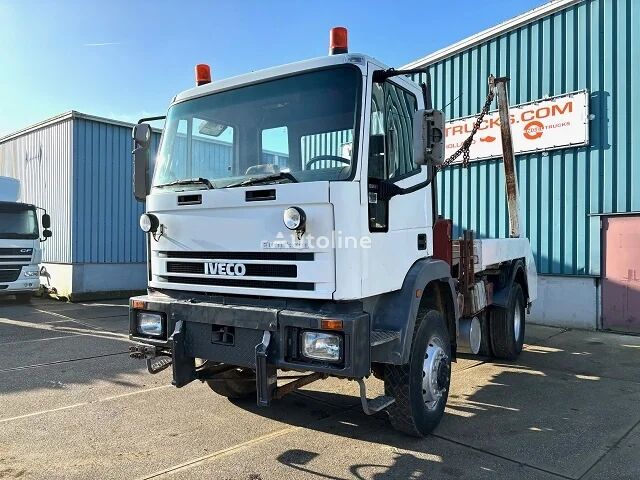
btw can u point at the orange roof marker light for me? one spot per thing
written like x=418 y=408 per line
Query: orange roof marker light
x=338 y=42
x=203 y=74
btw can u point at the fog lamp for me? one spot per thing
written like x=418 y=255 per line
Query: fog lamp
x=149 y=223
x=150 y=324
x=322 y=346
x=294 y=218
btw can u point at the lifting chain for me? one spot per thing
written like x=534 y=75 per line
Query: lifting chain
x=464 y=149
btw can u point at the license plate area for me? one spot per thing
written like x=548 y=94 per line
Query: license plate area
x=222 y=343
x=223 y=334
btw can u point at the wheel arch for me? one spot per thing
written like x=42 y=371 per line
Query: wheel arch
x=427 y=283
x=516 y=273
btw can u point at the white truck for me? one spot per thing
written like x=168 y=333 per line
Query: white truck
x=20 y=252
x=328 y=258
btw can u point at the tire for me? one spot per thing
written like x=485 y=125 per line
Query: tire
x=506 y=332
x=485 y=342
x=23 y=297
x=235 y=384
x=411 y=413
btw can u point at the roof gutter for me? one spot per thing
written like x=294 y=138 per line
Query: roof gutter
x=504 y=27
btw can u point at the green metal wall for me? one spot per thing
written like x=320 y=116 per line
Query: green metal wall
x=592 y=45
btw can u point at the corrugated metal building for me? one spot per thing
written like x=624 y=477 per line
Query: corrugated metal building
x=79 y=168
x=561 y=47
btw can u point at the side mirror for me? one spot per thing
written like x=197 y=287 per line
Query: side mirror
x=142 y=134
x=46 y=233
x=428 y=137
x=46 y=221
x=142 y=139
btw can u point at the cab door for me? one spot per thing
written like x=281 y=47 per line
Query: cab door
x=398 y=227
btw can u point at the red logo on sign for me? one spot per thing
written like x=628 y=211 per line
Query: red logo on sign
x=488 y=138
x=533 y=130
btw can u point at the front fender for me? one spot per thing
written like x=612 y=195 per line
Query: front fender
x=397 y=311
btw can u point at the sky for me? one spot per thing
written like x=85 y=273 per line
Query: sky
x=126 y=59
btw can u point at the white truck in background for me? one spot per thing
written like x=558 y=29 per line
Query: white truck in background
x=20 y=252
x=252 y=266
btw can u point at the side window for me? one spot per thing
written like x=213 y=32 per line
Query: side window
x=399 y=108
x=390 y=145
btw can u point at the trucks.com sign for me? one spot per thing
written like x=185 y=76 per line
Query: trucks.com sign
x=555 y=122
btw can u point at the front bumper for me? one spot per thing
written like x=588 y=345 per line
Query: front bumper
x=21 y=285
x=257 y=335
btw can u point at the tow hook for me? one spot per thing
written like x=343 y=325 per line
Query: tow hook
x=142 y=352
x=156 y=362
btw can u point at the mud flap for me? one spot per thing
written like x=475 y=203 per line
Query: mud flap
x=184 y=367
x=266 y=374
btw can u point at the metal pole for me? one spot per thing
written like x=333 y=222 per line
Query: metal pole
x=510 y=175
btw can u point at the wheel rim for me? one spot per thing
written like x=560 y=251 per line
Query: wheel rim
x=435 y=373
x=517 y=323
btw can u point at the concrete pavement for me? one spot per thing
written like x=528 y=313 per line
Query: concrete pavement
x=73 y=405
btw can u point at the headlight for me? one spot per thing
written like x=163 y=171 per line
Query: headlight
x=31 y=274
x=150 y=324
x=149 y=222
x=322 y=346
x=294 y=218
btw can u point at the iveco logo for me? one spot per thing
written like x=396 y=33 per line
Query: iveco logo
x=231 y=269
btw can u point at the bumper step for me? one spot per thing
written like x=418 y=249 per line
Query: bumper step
x=374 y=405
x=158 y=364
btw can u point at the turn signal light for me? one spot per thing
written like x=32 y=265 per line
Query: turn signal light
x=138 y=304
x=338 y=41
x=331 y=324
x=203 y=74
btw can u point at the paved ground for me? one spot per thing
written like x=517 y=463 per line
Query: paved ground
x=73 y=405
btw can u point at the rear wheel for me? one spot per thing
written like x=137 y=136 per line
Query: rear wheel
x=421 y=387
x=234 y=384
x=507 y=326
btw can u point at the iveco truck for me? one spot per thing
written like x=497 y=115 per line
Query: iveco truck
x=20 y=252
x=291 y=225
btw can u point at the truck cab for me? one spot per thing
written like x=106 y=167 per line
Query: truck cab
x=20 y=252
x=290 y=225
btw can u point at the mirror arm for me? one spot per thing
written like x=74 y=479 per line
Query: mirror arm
x=152 y=119
x=379 y=76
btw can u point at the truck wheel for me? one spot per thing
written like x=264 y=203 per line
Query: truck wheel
x=421 y=387
x=507 y=326
x=235 y=384
x=23 y=297
x=485 y=342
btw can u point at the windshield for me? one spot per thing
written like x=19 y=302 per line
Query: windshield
x=18 y=221
x=298 y=128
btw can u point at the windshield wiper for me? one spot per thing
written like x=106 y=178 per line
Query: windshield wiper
x=188 y=181
x=264 y=178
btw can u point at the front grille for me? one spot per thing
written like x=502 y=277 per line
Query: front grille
x=17 y=251
x=25 y=260
x=235 y=282
x=290 y=256
x=252 y=269
x=9 y=273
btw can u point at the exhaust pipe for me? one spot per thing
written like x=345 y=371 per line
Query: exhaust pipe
x=469 y=335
